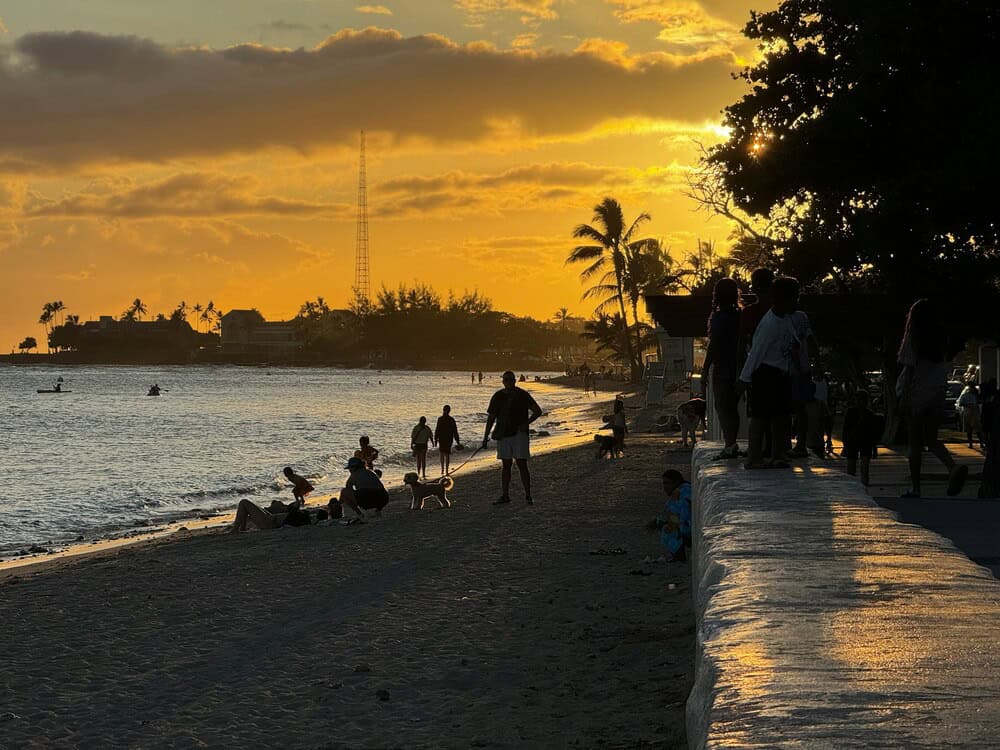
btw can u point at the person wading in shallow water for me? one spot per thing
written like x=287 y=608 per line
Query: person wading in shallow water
x=512 y=409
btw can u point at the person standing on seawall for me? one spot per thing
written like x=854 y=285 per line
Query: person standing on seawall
x=722 y=362
x=512 y=409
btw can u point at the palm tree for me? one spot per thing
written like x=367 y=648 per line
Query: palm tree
x=57 y=307
x=45 y=319
x=137 y=310
x=561 y=317
x=613 y=244
x=179 y=315
x=197 y=309
x=207 y=314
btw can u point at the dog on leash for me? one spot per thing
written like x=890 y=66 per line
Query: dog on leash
x=607 y=446
x=422 y=490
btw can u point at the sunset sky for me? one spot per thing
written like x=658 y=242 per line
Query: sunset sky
x=208 y=150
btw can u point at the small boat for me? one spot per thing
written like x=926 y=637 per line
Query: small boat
x=51 y=390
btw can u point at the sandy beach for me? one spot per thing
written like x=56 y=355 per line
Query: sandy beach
x=478 y=626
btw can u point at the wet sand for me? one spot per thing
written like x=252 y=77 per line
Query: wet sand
x=478 y=626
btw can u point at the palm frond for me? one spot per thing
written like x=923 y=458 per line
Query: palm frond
x=587 y=232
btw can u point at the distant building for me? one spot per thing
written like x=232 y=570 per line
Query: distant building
x=245 y=332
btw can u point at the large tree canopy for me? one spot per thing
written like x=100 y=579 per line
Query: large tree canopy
x=869 y=139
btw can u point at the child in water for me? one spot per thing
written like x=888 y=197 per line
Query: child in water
x=674 y=521
x=300 y=486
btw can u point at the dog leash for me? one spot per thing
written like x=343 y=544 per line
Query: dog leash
x=456 y=470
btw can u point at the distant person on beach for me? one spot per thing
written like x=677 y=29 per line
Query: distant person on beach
x=674 y=521
x=862 y=429
x=473 y=378
x=765 y=373
x=722 y=362
x=367 y=453
x=300 y=485
x=925 y=355
x=363 y=490
x=446 y=434
x=512 y=409
x=419 y=437
x=691 y=415
x=480 y=377
x=619 y=425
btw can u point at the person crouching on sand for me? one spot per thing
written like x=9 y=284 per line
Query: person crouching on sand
x=419 y=437
x=363 y=490
x=300 y=486
x=512 y=409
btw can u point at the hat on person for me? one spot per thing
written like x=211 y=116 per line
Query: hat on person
x=354 y=463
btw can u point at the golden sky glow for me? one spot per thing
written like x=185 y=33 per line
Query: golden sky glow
x=202 y=151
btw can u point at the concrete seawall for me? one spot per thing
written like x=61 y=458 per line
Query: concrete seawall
x=824 y=622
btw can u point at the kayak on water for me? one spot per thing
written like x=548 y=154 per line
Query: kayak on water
x=51 y=390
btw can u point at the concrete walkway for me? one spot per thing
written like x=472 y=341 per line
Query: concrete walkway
x=824 y=622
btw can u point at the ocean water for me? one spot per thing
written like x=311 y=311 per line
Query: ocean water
x=106 y=459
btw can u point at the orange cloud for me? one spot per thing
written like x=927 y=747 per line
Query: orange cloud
x=532 y=11
x=76 y=99
x=378 y=10
x=685 y=24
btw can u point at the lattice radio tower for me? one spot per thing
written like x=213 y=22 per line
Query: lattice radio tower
x=361 y=278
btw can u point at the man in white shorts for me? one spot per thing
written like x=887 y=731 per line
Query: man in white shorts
x=512 y=409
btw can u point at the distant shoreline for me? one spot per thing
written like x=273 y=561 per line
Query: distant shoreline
x=71 y=359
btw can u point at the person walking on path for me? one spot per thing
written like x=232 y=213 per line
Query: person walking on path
x=921 y=388
x=512 y=409
x=968 y=402
x=721 y=362
x=419 y=437
x=446 y=433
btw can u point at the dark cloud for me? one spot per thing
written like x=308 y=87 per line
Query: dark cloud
x=73 y=99
x=192 y=195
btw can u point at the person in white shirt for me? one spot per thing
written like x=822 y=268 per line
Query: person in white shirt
x=765 y=373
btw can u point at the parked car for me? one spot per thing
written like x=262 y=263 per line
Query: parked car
x=952 y=413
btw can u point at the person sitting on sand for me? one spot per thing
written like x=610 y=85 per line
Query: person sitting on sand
x=367 y=453
x=275 y=517
x=419 y=437
x=446 y=433
x=363 y=490
x=674 y=521
x=619 y=426
x=300 y=486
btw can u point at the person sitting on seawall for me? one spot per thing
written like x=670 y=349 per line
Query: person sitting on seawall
x=363 y=490
x=277 y=515
x=674 y=521
x=300 y=486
